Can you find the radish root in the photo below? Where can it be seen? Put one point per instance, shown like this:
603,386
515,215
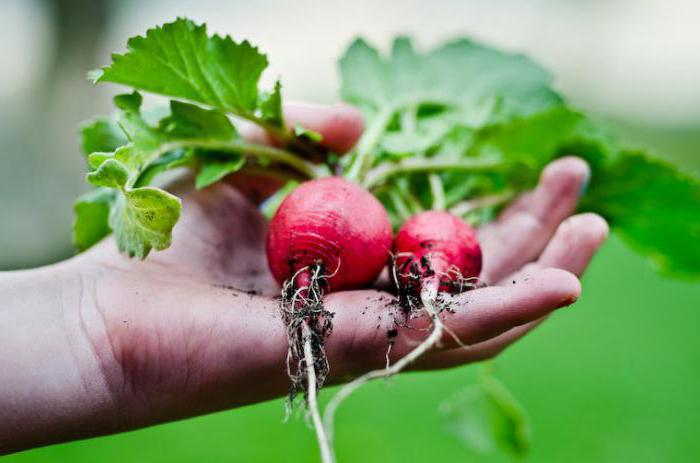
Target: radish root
324,442
308,324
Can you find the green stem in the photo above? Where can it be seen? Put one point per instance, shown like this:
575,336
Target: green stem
246,149
379,174
437,190
363,159
404,189
287,138
408,119
464,207
399,205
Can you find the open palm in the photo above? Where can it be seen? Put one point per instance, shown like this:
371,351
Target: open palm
197,328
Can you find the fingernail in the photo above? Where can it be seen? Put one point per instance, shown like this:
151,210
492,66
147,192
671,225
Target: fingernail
567,302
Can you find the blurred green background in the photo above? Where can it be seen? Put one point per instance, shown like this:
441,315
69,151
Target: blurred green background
612,379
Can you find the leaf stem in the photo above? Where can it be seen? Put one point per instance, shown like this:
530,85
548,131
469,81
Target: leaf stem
379,174
247,149
437,191
399,205
464,207
285,136
404,189
368,142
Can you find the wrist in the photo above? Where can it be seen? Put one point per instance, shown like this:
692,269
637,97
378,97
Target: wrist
53,388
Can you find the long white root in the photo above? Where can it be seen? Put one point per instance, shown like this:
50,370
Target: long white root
428,299
323,440
301,308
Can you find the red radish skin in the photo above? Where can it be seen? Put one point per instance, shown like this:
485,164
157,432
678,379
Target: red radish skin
332,222
437,247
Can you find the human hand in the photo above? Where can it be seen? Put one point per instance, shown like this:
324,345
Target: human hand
116,344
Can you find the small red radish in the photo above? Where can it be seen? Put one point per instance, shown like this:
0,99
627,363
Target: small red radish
435,252
436,248
327,235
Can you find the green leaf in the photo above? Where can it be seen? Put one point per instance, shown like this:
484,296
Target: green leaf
145,139
364,76
91,222
110,174
536,140
271,204
149,144
271,107
101,135
179,60
143,219
461,76
213,170
95,160
187,121
129,101
654,207
486,417
171,160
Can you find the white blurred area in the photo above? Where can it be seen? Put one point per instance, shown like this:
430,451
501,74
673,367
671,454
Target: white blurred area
628,59
623,60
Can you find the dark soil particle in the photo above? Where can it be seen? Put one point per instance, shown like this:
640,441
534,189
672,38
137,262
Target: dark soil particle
229,287
235,292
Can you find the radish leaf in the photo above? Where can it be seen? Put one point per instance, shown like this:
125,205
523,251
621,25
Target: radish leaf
486,417
271,107
179,60
653,206
92,217
457,78
143,219
213,170
101,135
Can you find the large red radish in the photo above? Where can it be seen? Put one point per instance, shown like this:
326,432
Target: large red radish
334,224
327,235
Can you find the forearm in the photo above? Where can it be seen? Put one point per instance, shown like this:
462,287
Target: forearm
50,386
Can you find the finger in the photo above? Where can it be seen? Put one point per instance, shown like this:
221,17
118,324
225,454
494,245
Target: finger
523,230
571,249
340,125
575,242
360,340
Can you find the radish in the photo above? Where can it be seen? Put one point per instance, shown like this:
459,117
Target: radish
334,224
327,235
435,252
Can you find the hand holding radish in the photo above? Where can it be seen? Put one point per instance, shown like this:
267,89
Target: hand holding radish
196,328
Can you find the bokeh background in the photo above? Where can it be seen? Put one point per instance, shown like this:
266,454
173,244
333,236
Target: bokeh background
613,379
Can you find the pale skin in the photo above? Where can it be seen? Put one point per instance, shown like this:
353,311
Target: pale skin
100,344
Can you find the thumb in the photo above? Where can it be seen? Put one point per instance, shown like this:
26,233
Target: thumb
340,125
